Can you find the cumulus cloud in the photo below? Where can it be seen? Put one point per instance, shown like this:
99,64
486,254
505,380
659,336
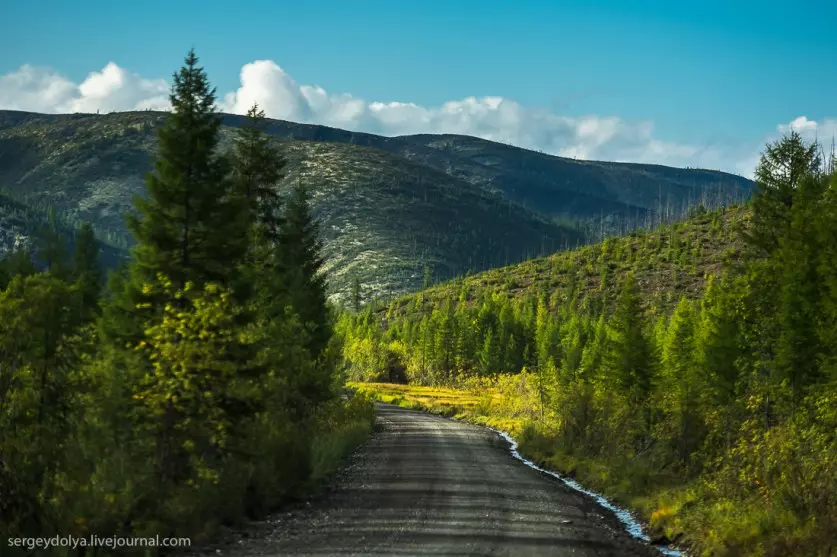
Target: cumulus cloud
113,88
489,117
811,130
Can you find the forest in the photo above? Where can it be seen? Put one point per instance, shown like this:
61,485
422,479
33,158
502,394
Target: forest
196,385
709,406
690,372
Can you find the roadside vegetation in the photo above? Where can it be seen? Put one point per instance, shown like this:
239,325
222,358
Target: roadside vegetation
198,387
689,373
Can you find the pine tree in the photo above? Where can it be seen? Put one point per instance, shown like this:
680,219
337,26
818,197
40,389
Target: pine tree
300,254
780,170
51,248
87,271
680,386
190,226
718,341
257,170
629,355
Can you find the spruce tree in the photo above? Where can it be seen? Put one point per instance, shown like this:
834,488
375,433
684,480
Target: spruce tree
629,354
257,169
87,271
826,225
781,168
718,340
798,351
51,248
300,255
190,226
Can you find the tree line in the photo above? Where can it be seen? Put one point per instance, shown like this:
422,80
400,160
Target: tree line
728,399
199,384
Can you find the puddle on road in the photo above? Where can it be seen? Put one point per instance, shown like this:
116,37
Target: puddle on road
632,526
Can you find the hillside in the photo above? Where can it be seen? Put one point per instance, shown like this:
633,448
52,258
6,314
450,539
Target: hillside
687,372
21,226
389,207
669,262
556,186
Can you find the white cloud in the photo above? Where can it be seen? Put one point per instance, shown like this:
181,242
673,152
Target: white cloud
113,88
495,118
35,89
811,130
263,81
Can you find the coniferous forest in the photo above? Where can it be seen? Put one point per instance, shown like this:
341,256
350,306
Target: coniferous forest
709,405
198,383
689,372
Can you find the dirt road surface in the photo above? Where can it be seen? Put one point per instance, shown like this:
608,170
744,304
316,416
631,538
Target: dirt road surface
425,485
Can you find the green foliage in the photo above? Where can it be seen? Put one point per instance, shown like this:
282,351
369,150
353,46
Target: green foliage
40,348
194,388
189,227
707,403
300,257
257,169
87,270
783,166
202,386
357,294
628,355
16,263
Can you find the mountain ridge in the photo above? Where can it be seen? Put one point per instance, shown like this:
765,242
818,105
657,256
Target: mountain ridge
390,206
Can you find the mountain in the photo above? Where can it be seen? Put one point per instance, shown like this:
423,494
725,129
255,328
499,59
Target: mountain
388,206
556,186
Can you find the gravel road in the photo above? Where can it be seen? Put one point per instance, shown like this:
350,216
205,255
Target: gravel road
425,485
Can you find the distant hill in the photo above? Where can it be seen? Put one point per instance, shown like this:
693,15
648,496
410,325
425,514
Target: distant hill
555,186
672,261
388,206
21,227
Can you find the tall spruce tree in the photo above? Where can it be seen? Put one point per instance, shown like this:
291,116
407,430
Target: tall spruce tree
826,225
51,248
257,169
783,165
300,253
798,350
87,271
629,355
190,227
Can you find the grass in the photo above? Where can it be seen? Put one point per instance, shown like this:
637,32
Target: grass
343,427
688,512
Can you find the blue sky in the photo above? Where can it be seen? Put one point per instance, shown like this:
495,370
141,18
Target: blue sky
710,74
